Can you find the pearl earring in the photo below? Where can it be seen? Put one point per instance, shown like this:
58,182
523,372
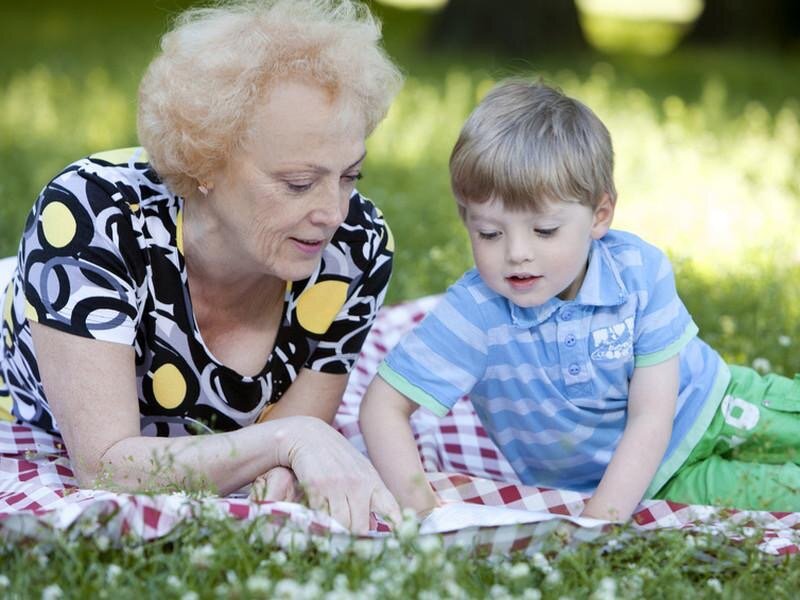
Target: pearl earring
204,188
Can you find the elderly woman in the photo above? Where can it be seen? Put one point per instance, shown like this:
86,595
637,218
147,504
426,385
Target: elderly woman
221,279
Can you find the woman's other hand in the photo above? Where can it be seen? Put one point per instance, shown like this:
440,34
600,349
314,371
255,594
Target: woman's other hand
335,476
279,484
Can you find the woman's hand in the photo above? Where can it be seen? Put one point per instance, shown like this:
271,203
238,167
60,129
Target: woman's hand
335,476
276,485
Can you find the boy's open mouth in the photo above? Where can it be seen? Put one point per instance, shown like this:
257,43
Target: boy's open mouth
521,281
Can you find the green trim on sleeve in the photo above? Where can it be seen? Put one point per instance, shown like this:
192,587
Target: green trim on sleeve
648,360
670,466
411,391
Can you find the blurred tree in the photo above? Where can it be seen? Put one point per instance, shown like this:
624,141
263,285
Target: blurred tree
517,27
749,23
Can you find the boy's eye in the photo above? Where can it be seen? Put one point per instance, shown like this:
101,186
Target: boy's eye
546,232
488,235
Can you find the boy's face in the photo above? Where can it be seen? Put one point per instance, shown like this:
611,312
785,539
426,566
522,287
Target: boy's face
530,257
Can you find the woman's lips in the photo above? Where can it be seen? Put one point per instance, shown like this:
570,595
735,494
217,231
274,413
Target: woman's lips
308,246
522,282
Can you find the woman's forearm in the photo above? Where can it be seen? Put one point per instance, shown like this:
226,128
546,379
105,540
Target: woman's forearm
221,462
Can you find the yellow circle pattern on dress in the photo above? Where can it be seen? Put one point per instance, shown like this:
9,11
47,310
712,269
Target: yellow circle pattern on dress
179,231
58,224
318,306
169,386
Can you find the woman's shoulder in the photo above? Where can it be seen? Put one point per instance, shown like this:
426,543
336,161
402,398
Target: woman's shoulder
122,177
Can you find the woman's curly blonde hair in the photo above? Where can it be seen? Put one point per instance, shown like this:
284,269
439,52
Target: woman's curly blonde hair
197,96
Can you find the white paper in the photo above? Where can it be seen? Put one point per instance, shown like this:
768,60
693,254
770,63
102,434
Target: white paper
458,515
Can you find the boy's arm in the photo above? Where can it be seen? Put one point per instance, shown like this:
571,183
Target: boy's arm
653,392
390,442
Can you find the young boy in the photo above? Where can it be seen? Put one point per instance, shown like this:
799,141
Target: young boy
580,358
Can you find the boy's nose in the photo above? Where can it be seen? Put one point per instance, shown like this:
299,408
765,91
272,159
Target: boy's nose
518,252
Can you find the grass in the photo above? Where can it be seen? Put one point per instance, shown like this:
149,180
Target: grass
707,143
208,558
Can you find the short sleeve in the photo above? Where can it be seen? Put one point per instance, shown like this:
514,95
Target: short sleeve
443,358
82,265
664,325
354,280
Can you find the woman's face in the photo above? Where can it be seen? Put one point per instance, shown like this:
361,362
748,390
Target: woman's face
279,201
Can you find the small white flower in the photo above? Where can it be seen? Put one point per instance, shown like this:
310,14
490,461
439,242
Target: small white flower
4,582
606,590
190,596
113,572
102,542
52,592
292,539
499,592
286,588
278,558
430,544
201,556
408,528
379,575
364,549
553,578
258,584
715,585
784,340
531,594
519,570
340,582
540,562
762,365
174,582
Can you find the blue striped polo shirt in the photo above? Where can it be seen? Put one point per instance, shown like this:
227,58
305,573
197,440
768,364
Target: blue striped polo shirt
550,382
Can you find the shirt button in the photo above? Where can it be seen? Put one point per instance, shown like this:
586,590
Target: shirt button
574,369
569,340
566,315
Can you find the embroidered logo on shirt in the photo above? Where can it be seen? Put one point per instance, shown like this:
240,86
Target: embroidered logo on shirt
614,342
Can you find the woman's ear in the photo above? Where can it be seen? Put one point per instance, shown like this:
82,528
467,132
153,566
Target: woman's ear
603,216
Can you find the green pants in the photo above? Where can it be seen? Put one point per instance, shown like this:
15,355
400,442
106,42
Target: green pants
749,458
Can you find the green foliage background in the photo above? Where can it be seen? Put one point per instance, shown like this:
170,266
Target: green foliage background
707,144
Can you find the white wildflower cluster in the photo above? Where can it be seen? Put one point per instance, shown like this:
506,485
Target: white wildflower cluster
52,592
715,585
784,340
113,572
606,589
4,582
762,365
408,529
202,557
552,576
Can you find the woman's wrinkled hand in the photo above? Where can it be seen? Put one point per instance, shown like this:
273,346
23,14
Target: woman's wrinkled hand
279,484
336,477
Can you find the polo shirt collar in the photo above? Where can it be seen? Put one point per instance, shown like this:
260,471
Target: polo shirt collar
602,286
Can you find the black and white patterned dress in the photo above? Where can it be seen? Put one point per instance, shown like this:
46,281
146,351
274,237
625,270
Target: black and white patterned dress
101,257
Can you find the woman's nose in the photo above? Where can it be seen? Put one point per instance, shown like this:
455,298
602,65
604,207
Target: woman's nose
330,209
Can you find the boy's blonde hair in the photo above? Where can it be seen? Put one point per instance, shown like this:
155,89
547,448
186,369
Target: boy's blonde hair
527,144
198,96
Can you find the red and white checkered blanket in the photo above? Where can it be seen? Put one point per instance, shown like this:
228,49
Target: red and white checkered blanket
38,492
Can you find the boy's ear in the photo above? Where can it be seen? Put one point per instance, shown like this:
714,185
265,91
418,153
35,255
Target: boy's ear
603,216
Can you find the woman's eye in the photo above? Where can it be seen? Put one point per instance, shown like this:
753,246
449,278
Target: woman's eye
298,187
352,178
546,232
488,235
